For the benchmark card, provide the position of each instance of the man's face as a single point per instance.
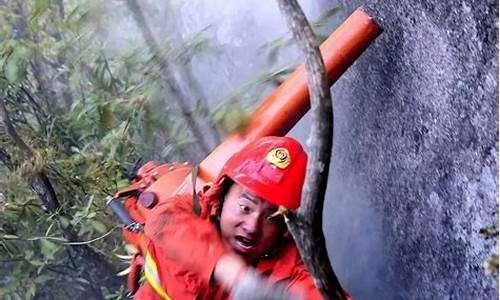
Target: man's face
(246, 223)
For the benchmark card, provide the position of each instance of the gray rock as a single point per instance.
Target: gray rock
(417, 134)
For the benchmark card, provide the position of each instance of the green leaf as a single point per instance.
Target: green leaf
(10, 247)
(31, 291)
(15, 296)
(89, 205)
(42, 278)
(37, 263)
(98, 226)
(15, 68)
(122, 183)
(106, 116)
(41, 6)
(28, 254)
(22, 52)
(330, 13)
(168, 150)
(326, 17)
(48, 248)
(13, 71)
(64, 221)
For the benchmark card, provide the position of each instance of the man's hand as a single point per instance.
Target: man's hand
(244, 283)
(253, 286)
(228, 268)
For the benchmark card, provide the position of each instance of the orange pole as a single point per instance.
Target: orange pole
(279, 112)
(275, 116)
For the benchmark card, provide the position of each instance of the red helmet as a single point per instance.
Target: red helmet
(272, 167)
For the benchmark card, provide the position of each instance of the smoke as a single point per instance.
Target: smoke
(353, 228)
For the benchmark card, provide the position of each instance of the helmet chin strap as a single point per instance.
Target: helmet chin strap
(277, 247)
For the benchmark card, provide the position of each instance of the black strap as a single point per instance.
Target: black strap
(196, 199)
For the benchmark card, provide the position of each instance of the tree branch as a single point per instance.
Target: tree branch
(306, 225)
(171, 84)
(6, 160)
(42, 87)
(40, 184)
(96, 268)
(35, 108)
(43, 188)
(46, 118)
(185, 71)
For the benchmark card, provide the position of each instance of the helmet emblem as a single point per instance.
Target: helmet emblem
(279, 157)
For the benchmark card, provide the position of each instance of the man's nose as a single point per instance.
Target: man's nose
(251, 224)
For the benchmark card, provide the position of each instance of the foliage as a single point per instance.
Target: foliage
(87, 112)
(85, 145)
(491, 232)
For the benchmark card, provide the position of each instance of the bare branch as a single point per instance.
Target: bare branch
(170, 81)
(194, 87)
(306, 225)
(186, 72)
(42, 87)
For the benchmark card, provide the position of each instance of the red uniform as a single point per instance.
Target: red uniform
(186, 249)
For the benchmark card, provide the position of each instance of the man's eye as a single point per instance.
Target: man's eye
(244, 209)
(274, 218)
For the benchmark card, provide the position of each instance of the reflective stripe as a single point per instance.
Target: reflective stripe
(151, 272)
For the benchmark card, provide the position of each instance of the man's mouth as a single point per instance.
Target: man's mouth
(244, 243)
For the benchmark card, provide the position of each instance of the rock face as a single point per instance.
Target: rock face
(417, 134)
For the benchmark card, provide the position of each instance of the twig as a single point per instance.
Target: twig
(58, 239)
(92, 240)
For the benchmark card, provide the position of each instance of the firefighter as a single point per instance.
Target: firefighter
(238, 245)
